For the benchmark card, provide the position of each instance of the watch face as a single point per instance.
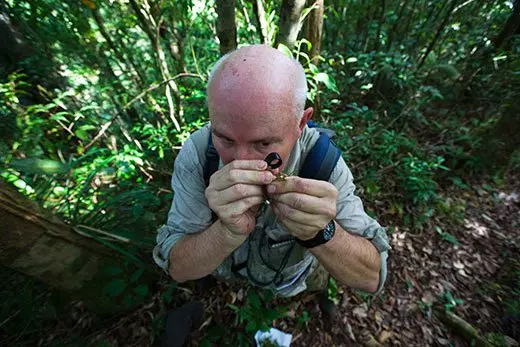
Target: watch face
(329, 230)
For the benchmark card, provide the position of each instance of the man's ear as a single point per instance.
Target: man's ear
(307, 114)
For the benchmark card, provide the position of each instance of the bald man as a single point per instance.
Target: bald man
(256, 100)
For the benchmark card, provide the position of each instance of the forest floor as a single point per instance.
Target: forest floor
(466, 257)
(474, 270)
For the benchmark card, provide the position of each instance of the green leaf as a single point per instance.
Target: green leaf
(327, 80)
(141, 290)
(39, 166)
(136, 275)
(251, 326)
(254, 299)
(111, 270)
(450, 238)
(352, 60)
(285, 50)
(115, 287)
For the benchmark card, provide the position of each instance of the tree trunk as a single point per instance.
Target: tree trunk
(394, 26)
(500, 142)
(404, 34)
(315, 29)
(512, 25)
(438, 34)
(380, 25)
(39, 245)
(13, 47)
(289, 23)
(258, 8)
(172, 91)
(226, 26)
(371, 15)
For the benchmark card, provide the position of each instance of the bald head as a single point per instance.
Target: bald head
(259, 77)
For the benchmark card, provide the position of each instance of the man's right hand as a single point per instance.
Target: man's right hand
(235, 193)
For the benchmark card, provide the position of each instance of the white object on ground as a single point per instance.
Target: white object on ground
(279, 337)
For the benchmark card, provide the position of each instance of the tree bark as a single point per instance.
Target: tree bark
(512, 25)
(315, 30)
(289, 23)
(226, 26)
(438, 34)
(39, 245)
(258, 8)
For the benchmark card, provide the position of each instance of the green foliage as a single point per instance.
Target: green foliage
(302, 321)
(449, 301)
(332, 291)
(447, 236)
(255, 314)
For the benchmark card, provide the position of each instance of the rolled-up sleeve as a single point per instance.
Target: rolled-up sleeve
(353, 218)
(189, 212)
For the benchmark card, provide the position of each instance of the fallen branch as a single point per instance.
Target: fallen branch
(461, 327)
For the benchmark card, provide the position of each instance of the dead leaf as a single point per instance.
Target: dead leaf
(441, 341)
(360, 311)
(384, 336)
(458, 265)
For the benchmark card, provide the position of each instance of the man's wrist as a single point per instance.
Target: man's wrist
(230, 238)
(321, 237)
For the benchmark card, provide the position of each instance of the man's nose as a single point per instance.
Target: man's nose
(244, 153)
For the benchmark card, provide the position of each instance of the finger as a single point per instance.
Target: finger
(310, 221)
(302, 231)
(228, 177)
(303, 185)
(239, 207)
(238, 192)
(247, 165)
(307, 203)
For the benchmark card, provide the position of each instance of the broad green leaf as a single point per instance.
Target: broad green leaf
(327, 80)
(352, 60)
(141, 290)
(39, 166)
(115, 287)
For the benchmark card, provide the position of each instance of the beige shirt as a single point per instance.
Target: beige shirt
(270, 257)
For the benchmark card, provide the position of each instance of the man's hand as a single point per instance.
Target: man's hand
(304, 206)
(235, 193)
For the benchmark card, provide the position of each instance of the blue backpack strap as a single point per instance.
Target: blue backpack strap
(212, 160)
(321, 160)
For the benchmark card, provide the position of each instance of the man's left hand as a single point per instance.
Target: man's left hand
(304, 206)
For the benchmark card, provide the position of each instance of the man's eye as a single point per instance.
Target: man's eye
(266, 144)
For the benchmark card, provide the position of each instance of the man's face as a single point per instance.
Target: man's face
(245, 131)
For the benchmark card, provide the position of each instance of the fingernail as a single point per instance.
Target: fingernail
(262, 165)
(271, 188)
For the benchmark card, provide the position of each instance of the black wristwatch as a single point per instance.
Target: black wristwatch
(323, 236)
